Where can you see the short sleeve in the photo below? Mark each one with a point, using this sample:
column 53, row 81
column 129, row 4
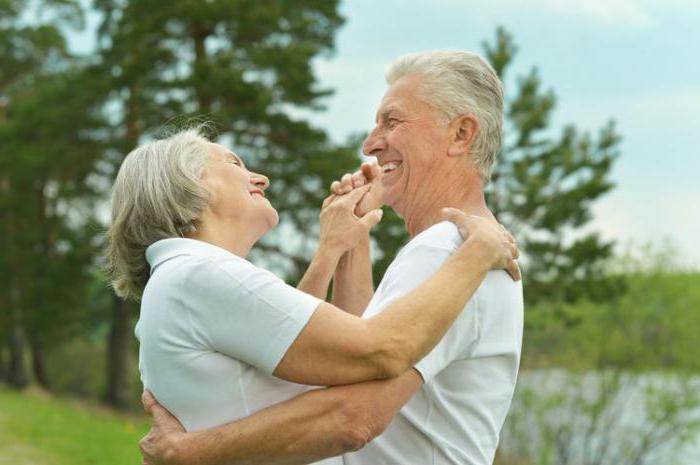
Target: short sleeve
column 454, row 345
column 245, row 312
column 409, row 270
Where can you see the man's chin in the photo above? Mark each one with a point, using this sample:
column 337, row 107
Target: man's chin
column 390, row 199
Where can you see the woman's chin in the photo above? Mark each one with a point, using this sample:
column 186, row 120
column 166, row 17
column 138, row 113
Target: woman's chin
column 273, row 219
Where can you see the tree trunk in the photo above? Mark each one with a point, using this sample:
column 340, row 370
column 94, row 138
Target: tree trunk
column 39, row 363
column 3, row 366
column 199, row 36
column 118, row 355
column 17, row 375
column 118, row 374
column 36, row 345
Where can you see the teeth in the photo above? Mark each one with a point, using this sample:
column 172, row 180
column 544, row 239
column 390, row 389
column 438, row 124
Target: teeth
column 391, row 166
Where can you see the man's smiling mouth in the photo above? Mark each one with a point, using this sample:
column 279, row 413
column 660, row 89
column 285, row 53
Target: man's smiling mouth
column 390, row 166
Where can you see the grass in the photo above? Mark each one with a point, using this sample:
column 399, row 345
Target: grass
column 38, row 429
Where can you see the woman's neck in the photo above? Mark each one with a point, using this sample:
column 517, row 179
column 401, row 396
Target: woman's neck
column 229, row 237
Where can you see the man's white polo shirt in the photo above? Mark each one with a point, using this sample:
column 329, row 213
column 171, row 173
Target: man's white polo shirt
column 457, row 415
column 212, row 329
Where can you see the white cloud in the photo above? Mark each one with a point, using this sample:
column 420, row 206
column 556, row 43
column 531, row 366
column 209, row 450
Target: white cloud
column 627, row 13
column 652, row 217
column 610, row 12
column 668, row 112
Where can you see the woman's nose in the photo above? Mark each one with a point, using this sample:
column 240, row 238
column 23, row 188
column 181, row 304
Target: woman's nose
column 260, row 181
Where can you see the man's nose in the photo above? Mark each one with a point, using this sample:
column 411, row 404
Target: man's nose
column 374, row 144
column 260, row 181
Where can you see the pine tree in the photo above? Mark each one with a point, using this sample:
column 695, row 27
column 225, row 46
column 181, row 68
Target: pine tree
column 543, row 188
column 49, row 147
column 245, row 66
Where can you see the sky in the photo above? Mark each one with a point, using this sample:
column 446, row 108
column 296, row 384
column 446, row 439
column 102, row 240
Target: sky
column 633, row 61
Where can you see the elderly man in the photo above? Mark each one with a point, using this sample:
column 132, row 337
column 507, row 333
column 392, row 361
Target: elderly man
column 437, row 134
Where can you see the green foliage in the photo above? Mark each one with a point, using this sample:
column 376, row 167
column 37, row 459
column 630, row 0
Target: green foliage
column 49, row 129
column 652, row 326
column 241, row 65
column 620, row 386
column 543, row 187
column 35, row 428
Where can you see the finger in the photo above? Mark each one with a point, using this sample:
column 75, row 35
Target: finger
column 328, row 200
column 336, row 187
column 376, row 170
column 164, row 420
column 346, row 183
column 148, row 401
column 355, row 196
column 370, row 170
column 514, row 252
column 452, row 214
column 358, row 179
column 459, row 218
column 372, row 218
column 514, row 271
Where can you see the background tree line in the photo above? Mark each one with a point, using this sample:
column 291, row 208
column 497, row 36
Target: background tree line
column 67, row 120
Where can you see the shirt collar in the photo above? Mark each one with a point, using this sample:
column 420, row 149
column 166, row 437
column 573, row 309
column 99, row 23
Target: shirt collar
column 165, row 249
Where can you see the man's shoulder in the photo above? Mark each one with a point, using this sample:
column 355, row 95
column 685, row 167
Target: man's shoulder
column 499, row 289
column 443, row 235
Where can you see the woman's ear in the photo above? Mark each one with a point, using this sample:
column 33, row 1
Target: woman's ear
column 463, row 131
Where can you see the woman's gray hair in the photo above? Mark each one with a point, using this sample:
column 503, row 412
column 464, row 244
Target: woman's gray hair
column 460, row 83
column 158, row 194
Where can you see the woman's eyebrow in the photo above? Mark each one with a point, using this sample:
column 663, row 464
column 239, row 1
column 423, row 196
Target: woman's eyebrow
column 237, row 158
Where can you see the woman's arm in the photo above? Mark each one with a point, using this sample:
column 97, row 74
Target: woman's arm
column 341, row 232
column 353, row 286
column 338, row 348
column 315, row 425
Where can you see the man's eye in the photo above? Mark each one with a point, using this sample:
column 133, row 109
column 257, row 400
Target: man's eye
column 392, row 122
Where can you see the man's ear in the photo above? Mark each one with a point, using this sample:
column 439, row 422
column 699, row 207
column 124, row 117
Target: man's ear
column 463, row 131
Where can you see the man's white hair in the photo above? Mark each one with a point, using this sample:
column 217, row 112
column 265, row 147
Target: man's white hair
column 158, row 194
column 458, row 83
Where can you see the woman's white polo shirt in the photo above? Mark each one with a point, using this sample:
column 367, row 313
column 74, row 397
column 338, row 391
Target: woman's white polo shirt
column 212, row 329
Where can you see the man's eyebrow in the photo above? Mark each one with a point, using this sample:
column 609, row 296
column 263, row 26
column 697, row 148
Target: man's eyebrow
column 384, row 115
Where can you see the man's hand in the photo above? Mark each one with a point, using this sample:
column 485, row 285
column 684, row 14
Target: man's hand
column 369, row 173
column 159, row 446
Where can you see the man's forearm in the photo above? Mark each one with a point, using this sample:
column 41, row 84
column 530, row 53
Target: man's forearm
column 352, row 283
column 315, row 425
column 318, row 276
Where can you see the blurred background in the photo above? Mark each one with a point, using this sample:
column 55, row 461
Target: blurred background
column 597, row 179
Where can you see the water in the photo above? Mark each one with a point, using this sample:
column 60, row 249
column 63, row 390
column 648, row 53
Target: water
column 560, row 417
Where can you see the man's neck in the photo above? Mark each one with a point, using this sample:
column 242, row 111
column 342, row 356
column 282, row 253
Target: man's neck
column 471, row 202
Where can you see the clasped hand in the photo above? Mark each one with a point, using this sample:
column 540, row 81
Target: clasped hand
column 352, row 209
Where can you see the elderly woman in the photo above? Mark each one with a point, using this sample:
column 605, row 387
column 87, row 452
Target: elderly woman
column 221, row 338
